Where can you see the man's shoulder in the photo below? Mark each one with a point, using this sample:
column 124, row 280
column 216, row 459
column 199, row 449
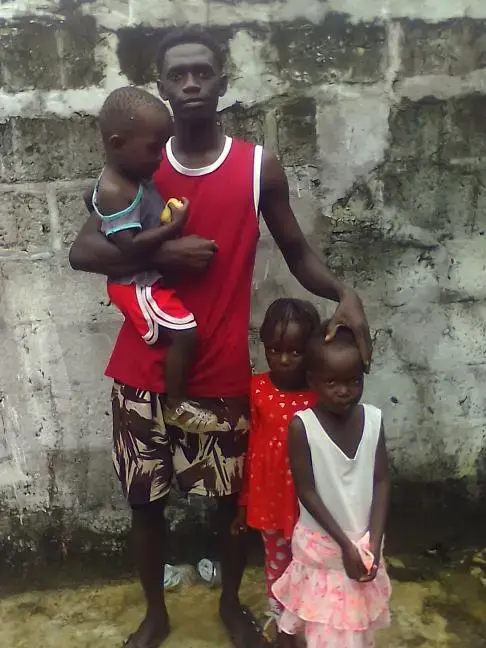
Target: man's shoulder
column 245, row 144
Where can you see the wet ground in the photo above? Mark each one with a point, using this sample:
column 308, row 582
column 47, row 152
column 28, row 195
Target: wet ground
column 437, row 603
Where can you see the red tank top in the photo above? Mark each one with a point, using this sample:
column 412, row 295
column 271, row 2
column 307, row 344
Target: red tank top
column 224, row 200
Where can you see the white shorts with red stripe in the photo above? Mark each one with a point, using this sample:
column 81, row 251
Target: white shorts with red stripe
column 151, row 307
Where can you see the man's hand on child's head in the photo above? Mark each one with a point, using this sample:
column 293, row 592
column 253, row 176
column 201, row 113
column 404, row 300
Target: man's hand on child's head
column 350, row 313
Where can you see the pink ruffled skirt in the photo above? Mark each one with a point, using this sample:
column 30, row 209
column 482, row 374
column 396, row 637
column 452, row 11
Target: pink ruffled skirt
column 320, row 601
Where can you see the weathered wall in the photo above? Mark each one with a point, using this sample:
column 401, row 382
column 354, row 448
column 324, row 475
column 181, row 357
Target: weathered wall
column 378, row 111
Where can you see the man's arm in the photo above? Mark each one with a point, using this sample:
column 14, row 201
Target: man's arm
column 93, row 252
column 309, row 268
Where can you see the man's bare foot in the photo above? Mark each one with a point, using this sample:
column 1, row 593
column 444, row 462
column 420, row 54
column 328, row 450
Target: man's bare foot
column 241, row 625
column 152, row 632
column 286, row 641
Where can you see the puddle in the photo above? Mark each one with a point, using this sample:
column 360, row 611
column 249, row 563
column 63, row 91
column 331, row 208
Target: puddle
column 435, row 605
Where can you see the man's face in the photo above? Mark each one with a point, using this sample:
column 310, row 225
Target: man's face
column 192, row 81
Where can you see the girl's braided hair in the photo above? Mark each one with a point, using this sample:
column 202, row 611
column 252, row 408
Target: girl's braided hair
column 285, row 310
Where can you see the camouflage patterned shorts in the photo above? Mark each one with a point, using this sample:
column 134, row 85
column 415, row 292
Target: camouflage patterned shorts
column 147, row 453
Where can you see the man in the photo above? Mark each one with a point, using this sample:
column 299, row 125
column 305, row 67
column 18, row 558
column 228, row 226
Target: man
column 227, row 183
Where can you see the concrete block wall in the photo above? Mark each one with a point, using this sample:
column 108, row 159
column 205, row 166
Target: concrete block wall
column 376, row 109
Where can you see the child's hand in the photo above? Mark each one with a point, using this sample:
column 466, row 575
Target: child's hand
column 371, row 575
column 239, row 523
column 178, row 214
column 375, row 552
column 353, row 563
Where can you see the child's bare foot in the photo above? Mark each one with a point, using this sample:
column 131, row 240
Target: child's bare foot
column 189, row 416
column 151, row 633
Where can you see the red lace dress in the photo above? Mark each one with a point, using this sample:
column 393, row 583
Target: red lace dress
column 268, row 490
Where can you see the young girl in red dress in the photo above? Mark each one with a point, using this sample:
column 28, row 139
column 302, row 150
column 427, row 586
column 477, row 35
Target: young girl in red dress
column 268, row 501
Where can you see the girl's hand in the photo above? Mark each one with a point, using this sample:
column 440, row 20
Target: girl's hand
column 353, row 564
column 376, row 551
column 371, row 575
column 239, row 523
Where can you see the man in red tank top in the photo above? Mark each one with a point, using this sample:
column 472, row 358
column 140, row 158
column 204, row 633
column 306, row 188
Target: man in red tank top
column 228, row 183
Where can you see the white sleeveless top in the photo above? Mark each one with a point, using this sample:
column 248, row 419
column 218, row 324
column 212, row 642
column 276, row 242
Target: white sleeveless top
column 345, row 485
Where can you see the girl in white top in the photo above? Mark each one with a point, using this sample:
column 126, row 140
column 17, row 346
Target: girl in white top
column 336, row 590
